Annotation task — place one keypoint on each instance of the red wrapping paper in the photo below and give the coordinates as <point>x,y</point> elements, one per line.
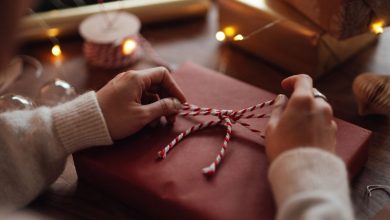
<point>175,187</point>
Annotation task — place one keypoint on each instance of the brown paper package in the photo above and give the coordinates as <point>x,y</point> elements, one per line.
<point>344,18</point>
<point>294,43</point>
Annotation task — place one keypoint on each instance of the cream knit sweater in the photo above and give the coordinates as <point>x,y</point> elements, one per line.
<point>307,183</point>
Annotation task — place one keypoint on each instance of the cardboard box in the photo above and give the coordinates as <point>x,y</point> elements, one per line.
<point>344,18</point>
<point>277,33</point>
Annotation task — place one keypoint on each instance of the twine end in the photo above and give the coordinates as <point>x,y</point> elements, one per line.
<point>161,154</point>
<point>208,171</point>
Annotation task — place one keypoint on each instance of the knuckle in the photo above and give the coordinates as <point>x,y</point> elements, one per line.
<point>325,109</point>
<point>163,69</point>
<point>306,77</point>
<point>334,125</point>
<point>122,74</point>
<point>164,107</point>
<point>303,75</point>
<point>302,101</point>
<point>131,73</point>
<point>133,76</point>
<point>145,115</point>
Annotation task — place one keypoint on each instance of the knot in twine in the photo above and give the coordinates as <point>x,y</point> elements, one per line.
<point>226,118</point>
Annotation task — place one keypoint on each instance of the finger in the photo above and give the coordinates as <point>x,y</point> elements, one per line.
<point>289,82</point>
<point>278,108</point>
<point>324,108</point>
<point>170,118</point>
<point>160,76</point>
<point>152,97</point>
<point>334,140</point>
<point>301,84</point>
<point>302,95</point>
<point>148,98</point>
<point>334,125</point>
<point>163,107</point>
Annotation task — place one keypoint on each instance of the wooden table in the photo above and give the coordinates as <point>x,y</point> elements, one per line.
<point>193,40</point>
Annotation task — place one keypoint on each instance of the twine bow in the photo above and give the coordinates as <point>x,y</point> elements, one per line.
<point>226,118</point>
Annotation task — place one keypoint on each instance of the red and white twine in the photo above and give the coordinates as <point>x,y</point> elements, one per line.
<point>110,55</point>
<point>226,118</point>
<point>113,40</point>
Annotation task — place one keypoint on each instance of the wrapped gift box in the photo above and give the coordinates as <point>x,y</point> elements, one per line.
<point>276,32</point>
<point>344,18</point>
<point>175,188</point>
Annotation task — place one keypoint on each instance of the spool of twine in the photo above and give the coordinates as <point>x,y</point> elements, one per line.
<point>111,39</point>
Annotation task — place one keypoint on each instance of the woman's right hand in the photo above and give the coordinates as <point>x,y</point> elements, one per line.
<point>301,121</point>
<point>121,100</point>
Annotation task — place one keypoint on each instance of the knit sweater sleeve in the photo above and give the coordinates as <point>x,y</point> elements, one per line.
<point>310,184</point>
<point>34,146</point>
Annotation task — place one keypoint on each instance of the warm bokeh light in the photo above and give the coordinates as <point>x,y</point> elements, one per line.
<point>56,50</point>
<point>128,46</point>
<point>378,27</point>
<point>53,32</point>
<point>229,31</point>
<point>261,4</point>
<point>238,37</point>
<point>220,36</point>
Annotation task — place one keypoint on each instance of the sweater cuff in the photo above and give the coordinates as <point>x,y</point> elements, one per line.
<point>80,123</point>
<point>307,170</point>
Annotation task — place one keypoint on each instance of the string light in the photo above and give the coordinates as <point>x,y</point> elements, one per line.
<point>56,50</point>
<point>220,36</point>
<point>229,31</point>
<point>53,32</point>
<point>129,46</point>
<point>238,37</point>
<point>378,27</point>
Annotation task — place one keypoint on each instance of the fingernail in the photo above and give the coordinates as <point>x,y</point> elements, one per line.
<point>177,104</point>
<point>279,98</point>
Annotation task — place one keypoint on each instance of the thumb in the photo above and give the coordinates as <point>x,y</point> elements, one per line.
<point>163,107</point>
<point>279,105</point>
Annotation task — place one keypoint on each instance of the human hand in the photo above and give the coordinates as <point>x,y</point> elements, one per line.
<point>302,121</point>
<point>123,110</point>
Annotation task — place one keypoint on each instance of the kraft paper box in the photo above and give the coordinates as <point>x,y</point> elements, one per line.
<point>279,34</point>
<point>344,18</point>
<point>175,188</point>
